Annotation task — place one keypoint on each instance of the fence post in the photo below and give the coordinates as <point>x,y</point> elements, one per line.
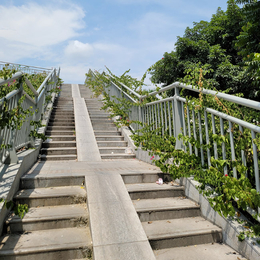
<point>178,119</point>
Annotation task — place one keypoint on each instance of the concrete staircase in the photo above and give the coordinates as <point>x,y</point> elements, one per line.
<point>173,223</point>
<point>56,226</point>
<point>109,140</point>
<point>61,142</point>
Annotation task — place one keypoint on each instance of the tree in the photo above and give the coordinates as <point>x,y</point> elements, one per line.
<point>214,45</point>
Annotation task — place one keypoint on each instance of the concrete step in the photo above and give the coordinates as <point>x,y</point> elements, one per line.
<point>97,120</point>
<point>51,196</point>
<point>106,133</point>
<point>117,156</point>
<point>51,132</point>
<point>165,208</point>
<point>111,150</point>
<point>61,128</point>
<point>36,180</point>
<point>111,143</point>
<point>56,144</point>
<point>62,114</point>
<point>64,243</point>
<point>104,124</point>
<point>50,217</point>
<point>61,123</point>
<point>212,251</point>
<point>153,191</point>
<point>104,127</point>
<point>59,151</point>
<point>61,119</point>
<point>64,157</point>
<point>98,115</point>
<point>146,177</point>
<point>61,137</point>
<point>115,138</point>
<point>181,232</point>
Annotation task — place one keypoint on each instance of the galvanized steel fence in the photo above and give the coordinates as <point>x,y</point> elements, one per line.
<point>173,116</point>
<point>13,139</point>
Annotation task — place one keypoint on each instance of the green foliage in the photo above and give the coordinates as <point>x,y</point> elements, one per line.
<point>229,45</point>
<point>34,133</point>
<point>227,194</point>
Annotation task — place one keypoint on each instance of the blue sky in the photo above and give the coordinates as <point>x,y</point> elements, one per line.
<point>82,34</point>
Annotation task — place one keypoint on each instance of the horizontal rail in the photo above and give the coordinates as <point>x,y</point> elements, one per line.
<point>238,100</point>
<point>25,66</point>
<point>17,75</point>
<point>129,89</point>
<point>234,120</point>
<point>29,84</point>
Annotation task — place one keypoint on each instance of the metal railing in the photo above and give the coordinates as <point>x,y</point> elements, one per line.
<point>13,139</point>
<point>24,68</point>
<point>173,116</point>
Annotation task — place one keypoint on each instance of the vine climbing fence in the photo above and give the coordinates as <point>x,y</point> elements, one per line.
<point>210,134</point>
<point>16,134</point>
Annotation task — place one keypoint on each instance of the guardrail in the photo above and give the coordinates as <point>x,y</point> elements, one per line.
<point>13,139</point>
<point>24,68</point>
<point>173,116</point>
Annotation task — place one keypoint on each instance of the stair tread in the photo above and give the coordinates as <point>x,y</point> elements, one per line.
<point>51,213</point>
<point>137,187</point>
<point>58,157</point>
<point>51,192</point>
<point>60,142</point>
<point>164,204</point>
<point>45,241</point>
<point>210,251</point>
<point>162,229</point>
<point>61,148</point>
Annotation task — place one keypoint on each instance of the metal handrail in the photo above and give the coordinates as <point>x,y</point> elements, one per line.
<point>169,114</point>
<point>18,138</point>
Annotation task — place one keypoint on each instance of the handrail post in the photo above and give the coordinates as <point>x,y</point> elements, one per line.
<point>178,119</point>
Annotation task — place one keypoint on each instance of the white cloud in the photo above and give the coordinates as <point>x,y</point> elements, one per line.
<point>39,25</point>
<point>78,50</point>
<point>33,30</point>
<point>93,53</point>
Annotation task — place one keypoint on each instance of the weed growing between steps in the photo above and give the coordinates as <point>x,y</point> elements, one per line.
<point>227,195</point>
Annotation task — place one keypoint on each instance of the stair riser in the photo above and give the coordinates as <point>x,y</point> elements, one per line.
<point>59,152</point>
<point>117,156</point>
<point>60,158</point>
<point>63,128</point>
<point>61,123</point>
<point>31,183</point>
<point>156,194</point>
<point>102,127</point>
<point>110,151</point>
<point>62,138</point>
<point>145,178</point>
<point>53,201</point>
<point>63,119</point>
<point>53,133</point>
<point>110,138</point>
<point>101,121</point>
<point>98,115</point>
<point>112,144</point>
<point>104,123</point>
<point>56,145</point>
<point>168,214</point>
<point>43,225</point>
<point>62,254</point>
<point>97,134</point>
<point>211,237</point>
